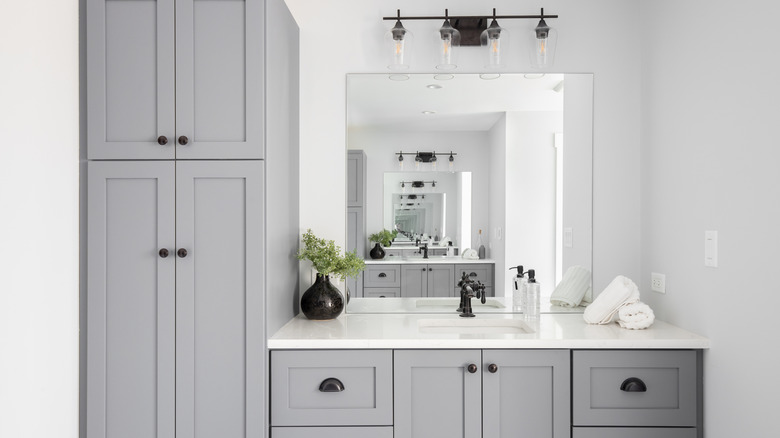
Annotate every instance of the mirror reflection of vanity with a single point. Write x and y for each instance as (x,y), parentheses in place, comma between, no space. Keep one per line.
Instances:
(511,174)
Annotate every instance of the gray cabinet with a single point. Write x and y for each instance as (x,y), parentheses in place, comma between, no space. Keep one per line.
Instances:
(635,388)
(460,393)
(434,280)
(356,242)
(436,395)
(175,313)
(356,179)
(175,69)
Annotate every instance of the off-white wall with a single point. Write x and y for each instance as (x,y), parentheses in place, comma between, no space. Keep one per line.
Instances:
(710,159)
(352,44)
(39,199)
(497,195)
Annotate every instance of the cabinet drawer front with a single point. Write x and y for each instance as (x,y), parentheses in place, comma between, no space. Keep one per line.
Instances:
(481,273)
(633,432)
(299,398)
(602,380)
(382,292)
(382,276)
(393,252)
(331,432)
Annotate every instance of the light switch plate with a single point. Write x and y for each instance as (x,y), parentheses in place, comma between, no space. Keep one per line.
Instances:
(711,248)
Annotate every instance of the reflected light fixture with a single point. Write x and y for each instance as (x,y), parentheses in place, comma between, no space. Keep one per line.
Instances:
(452,162)
(545,39)
(494,41)
(399,42)
(401,160)
(447,48)
(433,162)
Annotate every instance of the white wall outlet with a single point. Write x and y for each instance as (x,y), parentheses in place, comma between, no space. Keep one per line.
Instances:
(658,282)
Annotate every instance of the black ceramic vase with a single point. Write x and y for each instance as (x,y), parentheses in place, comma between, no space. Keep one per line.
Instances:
(377,252)
(322,300)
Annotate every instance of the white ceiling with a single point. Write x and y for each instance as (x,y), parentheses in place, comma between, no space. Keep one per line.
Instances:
(464,103)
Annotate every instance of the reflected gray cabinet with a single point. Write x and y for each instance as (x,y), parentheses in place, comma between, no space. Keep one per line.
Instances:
(175,79)
(435,280)
(482,393)
(355,242)
(175,314)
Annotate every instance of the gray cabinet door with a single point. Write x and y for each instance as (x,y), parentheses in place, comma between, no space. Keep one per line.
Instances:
(414,280)
(219,78)
(356,178)
(436,395)
(219,299)
(131,79)
(441,280)
(130,300)
(527,395)
(356,242)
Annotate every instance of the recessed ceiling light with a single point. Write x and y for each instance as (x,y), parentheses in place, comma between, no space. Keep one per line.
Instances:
(433,86)
(533,75)
(489,76)
(427,113)
(443,77)
(398,77)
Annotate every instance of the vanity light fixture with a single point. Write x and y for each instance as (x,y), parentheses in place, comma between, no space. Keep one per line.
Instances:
(401,160)
(471,31)
(399,42)
(425,157)
(449,41)
(494,41)
(417,185)
(452,161)
(545,39)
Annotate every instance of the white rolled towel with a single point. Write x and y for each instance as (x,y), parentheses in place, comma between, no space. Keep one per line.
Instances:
(572,288)
(636,316)
(603,309)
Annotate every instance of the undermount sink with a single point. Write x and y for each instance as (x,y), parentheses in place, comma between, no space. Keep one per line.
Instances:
(474,326)
(430,257)
(454,303)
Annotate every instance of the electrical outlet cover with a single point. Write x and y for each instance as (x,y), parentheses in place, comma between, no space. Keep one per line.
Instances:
(658,282)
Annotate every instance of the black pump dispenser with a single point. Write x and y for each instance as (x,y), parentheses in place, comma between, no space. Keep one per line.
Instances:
(519,269)
(531,276)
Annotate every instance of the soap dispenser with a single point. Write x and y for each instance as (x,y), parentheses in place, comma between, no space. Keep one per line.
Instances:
(480,246)
(532,296)
(518,293)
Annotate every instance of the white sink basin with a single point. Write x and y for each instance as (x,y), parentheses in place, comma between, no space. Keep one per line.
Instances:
(474,326)
(454,303)
(430,257)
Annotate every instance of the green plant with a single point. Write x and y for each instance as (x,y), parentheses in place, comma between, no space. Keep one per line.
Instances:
(327,259)
(383,237)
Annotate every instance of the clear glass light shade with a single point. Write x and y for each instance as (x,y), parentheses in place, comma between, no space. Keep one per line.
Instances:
(494,41)
(398,46)
(544,41)
(448,47)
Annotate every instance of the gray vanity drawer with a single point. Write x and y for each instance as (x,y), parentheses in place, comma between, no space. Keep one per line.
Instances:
(382,276)
(332,432)
(298,400)
(670,378)
(382,292)
(633,432)
(477,272)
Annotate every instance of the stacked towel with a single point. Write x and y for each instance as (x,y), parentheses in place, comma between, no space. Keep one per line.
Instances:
(445,241)
(620,292)
(636,316)
(572,288)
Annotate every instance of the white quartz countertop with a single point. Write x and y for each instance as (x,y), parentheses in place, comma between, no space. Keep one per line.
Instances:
(450,260)
(407,331)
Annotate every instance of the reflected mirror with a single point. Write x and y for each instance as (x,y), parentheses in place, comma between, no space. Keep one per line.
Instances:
(458,164)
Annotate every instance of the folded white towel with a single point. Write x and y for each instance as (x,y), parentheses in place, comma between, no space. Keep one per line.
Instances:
(636,316)
(445,241)
(572,288)
(620,292)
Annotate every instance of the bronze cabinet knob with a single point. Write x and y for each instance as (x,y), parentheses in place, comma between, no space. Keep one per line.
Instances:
(162,140)
(183,140)
(472,368)
(492,368)
(164,253)
(181,252)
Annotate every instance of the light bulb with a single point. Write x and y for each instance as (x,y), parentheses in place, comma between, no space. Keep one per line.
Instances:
(449,41)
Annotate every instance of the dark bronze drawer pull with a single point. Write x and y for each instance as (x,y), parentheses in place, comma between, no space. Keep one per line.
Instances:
(382,275)
(331,384)
(633,384)
(473,274)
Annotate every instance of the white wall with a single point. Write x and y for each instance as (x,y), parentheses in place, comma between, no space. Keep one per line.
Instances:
(39,199)
(352,44)
(530,191)
(710,159)
(497,194)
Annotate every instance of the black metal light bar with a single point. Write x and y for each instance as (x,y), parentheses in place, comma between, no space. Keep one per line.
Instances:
(472,17)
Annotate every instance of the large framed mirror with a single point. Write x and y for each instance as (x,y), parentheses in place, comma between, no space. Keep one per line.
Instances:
(513,170)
